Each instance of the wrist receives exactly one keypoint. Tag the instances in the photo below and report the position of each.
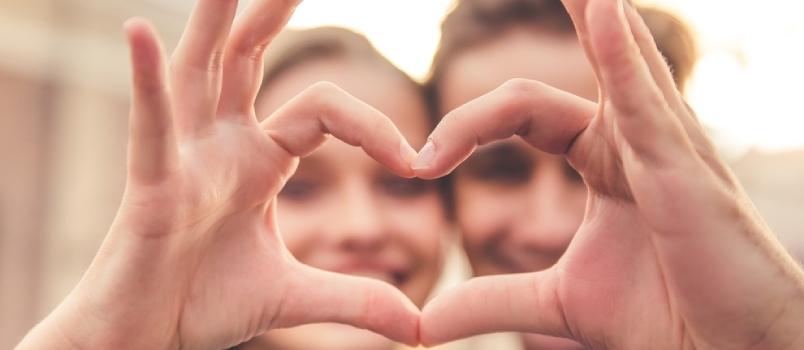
(76, 325)
(49, 334)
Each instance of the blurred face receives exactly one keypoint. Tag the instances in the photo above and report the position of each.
(518, 207)
(344, 212)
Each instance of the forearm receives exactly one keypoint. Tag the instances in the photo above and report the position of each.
(68, 328)
(107, 312)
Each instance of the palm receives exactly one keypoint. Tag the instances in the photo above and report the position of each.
(611, 276)
(226, 184)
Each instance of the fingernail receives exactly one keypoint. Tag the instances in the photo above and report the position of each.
(408, 153)
(425, 158)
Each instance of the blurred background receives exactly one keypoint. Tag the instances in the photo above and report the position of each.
(64, 80)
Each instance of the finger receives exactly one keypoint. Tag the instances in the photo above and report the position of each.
(643, 115)
(243, 62)
(152, 145)
(316, 296)
(301, 125)
(577, 12)
(664, 79)
(196, 66)
(657, 64)
(508, 303)
(547, 118)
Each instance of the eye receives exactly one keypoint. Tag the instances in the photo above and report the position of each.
(402, 187)
(501, 164)
(299, 190)
(505, 171)
(500, 171)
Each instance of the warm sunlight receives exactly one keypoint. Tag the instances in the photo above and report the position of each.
(405, 31)
(747, 88)
(749, 82)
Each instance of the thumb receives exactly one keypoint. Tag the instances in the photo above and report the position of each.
(317, 296)
(524, 303)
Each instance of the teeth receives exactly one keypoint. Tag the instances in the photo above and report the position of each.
(385, 277)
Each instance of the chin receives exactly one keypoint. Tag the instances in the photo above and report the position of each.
(543, 342)
(326, 336)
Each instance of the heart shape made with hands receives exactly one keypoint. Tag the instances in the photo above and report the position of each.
(208, 268)
(194, 258)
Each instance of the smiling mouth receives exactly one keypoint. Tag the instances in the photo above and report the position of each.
(396, 278)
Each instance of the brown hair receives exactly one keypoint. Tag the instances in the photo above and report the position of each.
(293, 47)
(474, 22)
(675, 40)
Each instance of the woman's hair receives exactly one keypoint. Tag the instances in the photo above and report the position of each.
(474, 22)
(294, 47)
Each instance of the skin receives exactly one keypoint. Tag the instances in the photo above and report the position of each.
(670, 248)
(208, 268)
(518, 207)
(344, 212)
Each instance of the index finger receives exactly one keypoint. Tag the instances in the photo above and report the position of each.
(301, 125)
(547, 118)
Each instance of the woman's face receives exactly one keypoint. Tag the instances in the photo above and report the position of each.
(344, 212)
(518, 208)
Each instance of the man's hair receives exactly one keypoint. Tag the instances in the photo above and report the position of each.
(474, 22)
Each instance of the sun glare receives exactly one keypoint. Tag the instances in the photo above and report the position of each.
(407, 32)
(748, 86)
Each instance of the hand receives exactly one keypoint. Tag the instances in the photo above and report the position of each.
(671, 253)
(193, 258)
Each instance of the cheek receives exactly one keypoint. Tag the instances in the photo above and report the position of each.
(419, 225)
(300, 226)
(481, 211)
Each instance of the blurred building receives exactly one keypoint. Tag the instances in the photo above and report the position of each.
(63, 113)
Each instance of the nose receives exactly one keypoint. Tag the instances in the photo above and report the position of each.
(551, 215)
(357, 223)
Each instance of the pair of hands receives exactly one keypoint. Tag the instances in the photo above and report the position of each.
(671, 253)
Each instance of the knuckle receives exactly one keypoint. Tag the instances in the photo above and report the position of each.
(519, 87)
(455, 117)
(321, 94)
(215, 62)
(323, 88)
(373, 301)
(251, 51)
(212, 63)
